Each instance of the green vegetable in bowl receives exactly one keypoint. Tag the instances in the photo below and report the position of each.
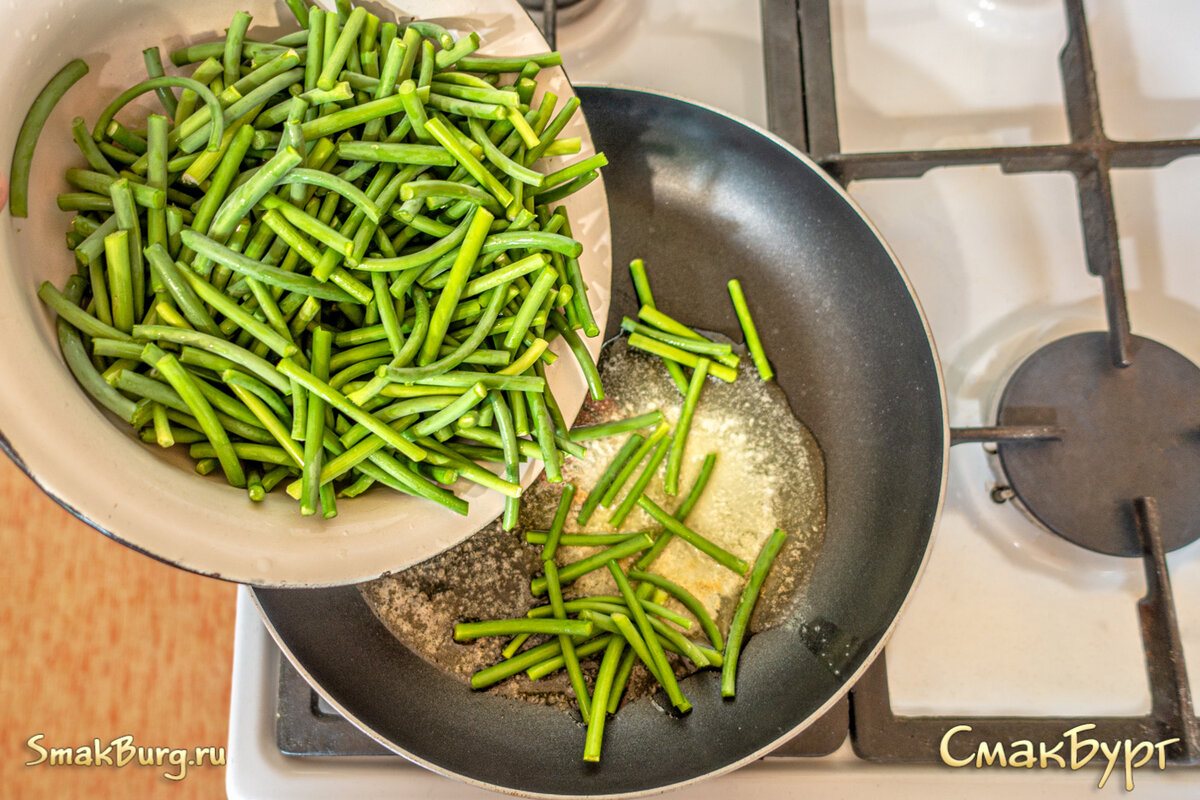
(31, 129)
(316, 231)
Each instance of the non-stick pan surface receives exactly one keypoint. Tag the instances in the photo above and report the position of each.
(702, 198)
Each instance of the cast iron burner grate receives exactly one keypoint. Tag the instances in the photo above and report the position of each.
(1059, 404)
(1126, 432)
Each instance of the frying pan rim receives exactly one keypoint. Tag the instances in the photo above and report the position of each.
(853, 677)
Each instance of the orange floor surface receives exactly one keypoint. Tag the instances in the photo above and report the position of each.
(101, 642)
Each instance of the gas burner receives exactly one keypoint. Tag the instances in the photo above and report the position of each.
(1126, 433)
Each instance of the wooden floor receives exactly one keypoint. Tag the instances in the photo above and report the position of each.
(101, 642)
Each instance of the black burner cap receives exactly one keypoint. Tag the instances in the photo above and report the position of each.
(1127, 433)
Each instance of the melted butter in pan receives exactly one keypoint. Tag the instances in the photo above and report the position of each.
(769, 474)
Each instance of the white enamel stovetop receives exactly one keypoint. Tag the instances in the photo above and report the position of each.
(1006, 619)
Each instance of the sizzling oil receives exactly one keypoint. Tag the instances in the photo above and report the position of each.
(769, 473)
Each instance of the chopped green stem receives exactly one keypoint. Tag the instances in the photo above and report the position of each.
(396, 153)
(557, 662)
(185, 385)
(543, 428)
(753, 343)
(333, 183)
(234, 36)
(745, 608)
(451, 190)
(75, 354)
(666, 675)
(579, 539)
(492, 380)
(714, 551)
(497, 157)
(620, 681)
(271, 422)
(272, 276)
(569, 173)
(641, 283)
(120, 281)
(640, 342)
(575, 279)
(689, 601)
(466, 631)
(697, 489)
(560, 520)
(338, 400)
(551, 196)
(216, 128)
(643, 450)
(482, 328)
(608, 477)
(464, 261)
(239, 202)
(234, 377)
(675, 463)
(570, 659)
(530, 307)
(590, 374)
(629, 632)
(145, 196)
(552, 130)
(523, 363)
(314, 433)
(610, 665)
(519, 663)
(514, 64)
(239, 355)
(698, 346)
(31, 130)
(87, 145)
(350, 117)
(505, 274)
(421, 257)
(656, 318)
(639, 485)
(442, 455)
(453, 411)
(347, 39)
(617, 427)
(677, 375)
(441, 132)
(576, 569)
(76, 316)
(277, 342)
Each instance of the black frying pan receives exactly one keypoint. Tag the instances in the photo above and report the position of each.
(702, 198)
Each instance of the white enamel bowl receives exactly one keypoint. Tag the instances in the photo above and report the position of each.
(92, 463)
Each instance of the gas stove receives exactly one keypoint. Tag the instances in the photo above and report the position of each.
(971, 133)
